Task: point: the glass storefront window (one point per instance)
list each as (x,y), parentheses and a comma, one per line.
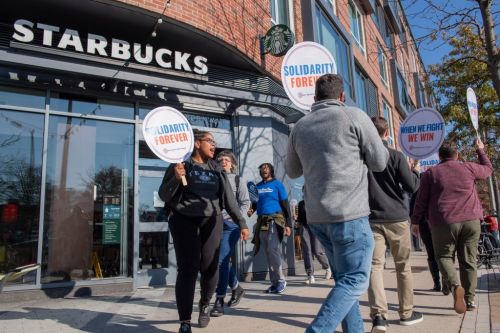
(89,199)
(90,106)
(153,250)
(22,97)
(21,142)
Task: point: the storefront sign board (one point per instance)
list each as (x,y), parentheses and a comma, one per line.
(303,64)
(422,133)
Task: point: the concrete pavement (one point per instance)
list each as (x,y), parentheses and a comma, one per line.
(154,310)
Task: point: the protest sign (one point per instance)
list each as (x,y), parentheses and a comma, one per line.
(429,162)
(422,133)
(303,64)
(169,135)
(472,106)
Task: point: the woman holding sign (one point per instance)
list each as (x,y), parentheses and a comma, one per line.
(196,224)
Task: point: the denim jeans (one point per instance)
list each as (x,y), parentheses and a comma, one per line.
(227,273)
(349,247)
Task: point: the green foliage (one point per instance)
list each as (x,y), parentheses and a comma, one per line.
(465,66)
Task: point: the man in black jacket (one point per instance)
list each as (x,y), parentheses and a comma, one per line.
(389,222)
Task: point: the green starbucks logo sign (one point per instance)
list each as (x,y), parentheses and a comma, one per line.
(278,40)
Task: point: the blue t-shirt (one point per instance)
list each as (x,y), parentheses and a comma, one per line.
(270,195)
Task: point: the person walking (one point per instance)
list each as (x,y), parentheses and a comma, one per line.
(311,247)
(389,221)
(448,197)
(195,222)
(230,235)
(333,147)
(425,234)
(273,223)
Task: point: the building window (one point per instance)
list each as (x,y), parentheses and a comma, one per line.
(329,37)
(403,98)
(359,82)
(366,93)
(356,20)
(279,12)
(382,62)
(386,110)
(21,142)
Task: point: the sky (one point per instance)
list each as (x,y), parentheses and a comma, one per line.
(417,14)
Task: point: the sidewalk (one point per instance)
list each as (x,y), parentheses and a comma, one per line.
(154,311)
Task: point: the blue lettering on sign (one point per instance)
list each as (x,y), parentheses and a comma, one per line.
(300,70)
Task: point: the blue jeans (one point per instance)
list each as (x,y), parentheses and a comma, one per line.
(349,247)
(227,274)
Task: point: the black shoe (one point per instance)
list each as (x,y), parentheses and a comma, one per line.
(379,324)
(204,316)
(218,309)
(185,328)
(471,306)
(437,287)
(236,296)
(416,317)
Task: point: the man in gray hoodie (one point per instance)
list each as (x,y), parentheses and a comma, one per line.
(333,147)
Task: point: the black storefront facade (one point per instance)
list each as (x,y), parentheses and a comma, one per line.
(78,184)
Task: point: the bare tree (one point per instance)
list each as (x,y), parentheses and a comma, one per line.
(442,19)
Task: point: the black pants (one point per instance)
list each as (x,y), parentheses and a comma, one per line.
(196,244)
(425,234)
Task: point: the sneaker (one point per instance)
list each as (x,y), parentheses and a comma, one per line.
(458,299)
(310,280)
(271,290)
(328,274)
(204,316)
(280,287)
(236,296)
(416,317)
(379,324)
(471,306)
(185,328)
(218,308)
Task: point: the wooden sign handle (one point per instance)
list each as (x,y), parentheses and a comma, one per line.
(184,181)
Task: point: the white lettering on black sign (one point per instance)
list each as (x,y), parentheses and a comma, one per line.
(120,49)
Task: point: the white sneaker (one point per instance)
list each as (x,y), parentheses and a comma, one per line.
(328,274)
(310,280)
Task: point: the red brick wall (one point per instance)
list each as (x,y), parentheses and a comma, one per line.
(237,22)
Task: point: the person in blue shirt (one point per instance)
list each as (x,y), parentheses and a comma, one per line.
(273,223)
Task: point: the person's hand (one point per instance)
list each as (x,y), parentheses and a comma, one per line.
(415,229)
(288,231)
(250,212)
(244,234)
(479,143)
(180,171)
(415,166)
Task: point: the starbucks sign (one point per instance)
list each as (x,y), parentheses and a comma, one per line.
(278,40)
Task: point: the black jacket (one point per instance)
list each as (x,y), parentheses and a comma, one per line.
(386,197)
(171,192)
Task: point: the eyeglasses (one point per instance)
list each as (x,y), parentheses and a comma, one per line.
(210,141)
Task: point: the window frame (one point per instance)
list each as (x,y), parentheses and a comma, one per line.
(383,67)
(360,40)
(387,114)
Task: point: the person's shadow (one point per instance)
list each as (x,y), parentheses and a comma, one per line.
(98,321)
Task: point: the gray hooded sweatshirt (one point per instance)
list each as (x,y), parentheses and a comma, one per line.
(333,146)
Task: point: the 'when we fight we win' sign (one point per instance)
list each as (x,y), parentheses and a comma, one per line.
(422,133)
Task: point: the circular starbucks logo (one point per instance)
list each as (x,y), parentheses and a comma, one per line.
(278,40)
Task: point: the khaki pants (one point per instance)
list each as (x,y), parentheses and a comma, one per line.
(461,238)
(397,236)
